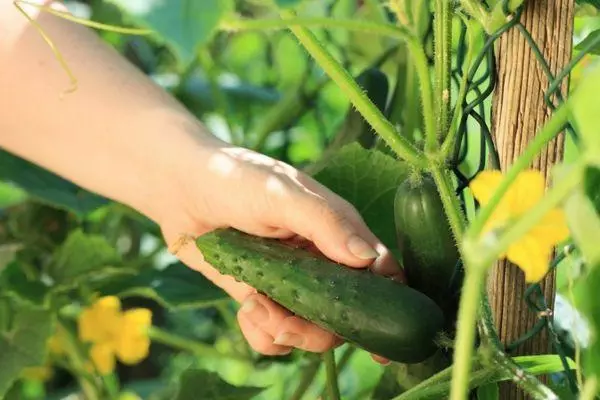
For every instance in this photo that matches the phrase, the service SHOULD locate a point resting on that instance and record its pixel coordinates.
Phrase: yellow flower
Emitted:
(531, 252)
(115, 334)
(100, 322)
(133, 344)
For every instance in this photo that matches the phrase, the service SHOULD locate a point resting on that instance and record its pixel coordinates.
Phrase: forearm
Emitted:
(115, 135)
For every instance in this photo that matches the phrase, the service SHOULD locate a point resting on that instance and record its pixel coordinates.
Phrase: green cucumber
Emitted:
(429, 252)
(373, 312)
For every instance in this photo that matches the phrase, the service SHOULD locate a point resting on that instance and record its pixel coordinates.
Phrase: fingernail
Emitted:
(361, 249)
(255, 311)
(289, 339)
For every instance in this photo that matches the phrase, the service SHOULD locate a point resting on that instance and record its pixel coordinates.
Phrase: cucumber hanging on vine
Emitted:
(373, 312)
(429, 253)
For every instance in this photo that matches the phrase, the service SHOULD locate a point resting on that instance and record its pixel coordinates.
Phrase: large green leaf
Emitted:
(46, 186)
(183, 25)
(82, 254)
(368, 179)
(200, 384)
(23, 345)
(177, 286)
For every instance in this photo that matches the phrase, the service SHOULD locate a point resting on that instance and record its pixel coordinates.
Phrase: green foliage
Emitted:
(81, 256)
(46, 186)
(23, 342)
(183, 25)
(287, 3)
(488, 392)
(592, 37)
(368, 180)
(199, 384)
(174, 287)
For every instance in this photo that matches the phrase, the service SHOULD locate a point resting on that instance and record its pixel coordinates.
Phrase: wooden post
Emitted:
(518, 113)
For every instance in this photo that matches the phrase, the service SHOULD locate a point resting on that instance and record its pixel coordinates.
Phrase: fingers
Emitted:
(313, 217)
(271, 329)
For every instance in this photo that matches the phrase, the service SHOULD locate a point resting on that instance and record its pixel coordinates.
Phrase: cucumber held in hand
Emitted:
(373, 312)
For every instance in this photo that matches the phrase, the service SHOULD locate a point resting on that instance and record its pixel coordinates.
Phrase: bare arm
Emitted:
(101, 136)
(123, 137)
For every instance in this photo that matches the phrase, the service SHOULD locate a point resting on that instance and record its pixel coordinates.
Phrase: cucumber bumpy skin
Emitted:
(373, 312)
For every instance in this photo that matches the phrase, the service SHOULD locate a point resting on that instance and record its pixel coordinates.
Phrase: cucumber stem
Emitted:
(357, 97)
(332, 382)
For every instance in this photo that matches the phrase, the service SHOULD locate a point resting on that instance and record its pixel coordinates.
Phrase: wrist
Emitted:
(174, 175)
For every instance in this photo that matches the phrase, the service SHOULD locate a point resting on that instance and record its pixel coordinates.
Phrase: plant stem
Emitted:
(477, 260)
(332, 383)
(473, 29)
(357, 97)
(77, 361)
(340, 366)
(475, 10)
(443, 37)
(160, 336)
(422, 67)
(548, 132)
(395, 31)
(450, 201)
(465, 336)
(308, 376)
(589, 389)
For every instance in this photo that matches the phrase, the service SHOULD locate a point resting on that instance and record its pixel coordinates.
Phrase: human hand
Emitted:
(239, 188)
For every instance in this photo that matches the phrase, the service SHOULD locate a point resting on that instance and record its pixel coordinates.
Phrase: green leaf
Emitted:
(488, 392)
(591, 183)
(200, 384)
(175, 287)
(11, 195)
(584, 110)
(82, 254)
(48, 187)
(584, 225)
(368, 179)
(183, 25)
(13, 280)
(595, 3)
(586, 301)
(592, 39)
(23, 345)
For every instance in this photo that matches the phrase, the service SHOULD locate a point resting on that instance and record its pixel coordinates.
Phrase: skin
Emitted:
(125, 138)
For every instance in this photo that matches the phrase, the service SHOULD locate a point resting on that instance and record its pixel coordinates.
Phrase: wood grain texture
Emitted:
(518, 113)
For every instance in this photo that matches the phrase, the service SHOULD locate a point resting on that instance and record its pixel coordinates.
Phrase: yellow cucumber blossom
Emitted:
(115, 334)
(531, 252)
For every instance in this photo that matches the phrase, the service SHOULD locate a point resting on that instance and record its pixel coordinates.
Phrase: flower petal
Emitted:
(103, 357)
(100, 321)
(532, 256)
(484, 185)
(133, 344)
(553, 228)
(527, 191)
(132, 349)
